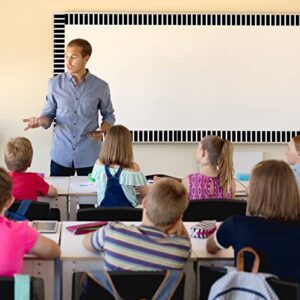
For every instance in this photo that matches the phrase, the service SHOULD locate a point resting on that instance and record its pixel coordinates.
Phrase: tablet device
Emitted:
(45, 226)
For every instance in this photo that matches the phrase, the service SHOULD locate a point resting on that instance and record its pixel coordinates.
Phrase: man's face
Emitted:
(292, 155)
(75, 63)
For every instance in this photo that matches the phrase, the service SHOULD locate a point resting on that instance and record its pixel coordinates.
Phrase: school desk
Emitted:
(81, 191)
(47, 269)
(61, 201)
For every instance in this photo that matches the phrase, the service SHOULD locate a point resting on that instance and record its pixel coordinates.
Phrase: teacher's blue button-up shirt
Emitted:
(76, 110)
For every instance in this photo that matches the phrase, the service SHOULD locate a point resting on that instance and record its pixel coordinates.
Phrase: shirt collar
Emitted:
(296, 167)
(86, 77)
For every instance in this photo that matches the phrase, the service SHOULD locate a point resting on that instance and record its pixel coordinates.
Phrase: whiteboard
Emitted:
(190, 78)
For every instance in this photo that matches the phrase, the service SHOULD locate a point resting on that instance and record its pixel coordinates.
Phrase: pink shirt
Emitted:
(28, 186)
(200, 187)
(17, 238)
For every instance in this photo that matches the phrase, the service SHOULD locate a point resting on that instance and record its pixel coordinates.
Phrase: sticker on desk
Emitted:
(83, 187)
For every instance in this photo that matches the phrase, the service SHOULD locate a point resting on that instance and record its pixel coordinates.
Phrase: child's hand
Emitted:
(176, 229)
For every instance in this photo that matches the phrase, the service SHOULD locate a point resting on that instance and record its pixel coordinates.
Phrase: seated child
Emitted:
(26, 185)
(272, 226)
(115, 172)
(293, 156)
(215, 180)
(18, 238)
(161, 234)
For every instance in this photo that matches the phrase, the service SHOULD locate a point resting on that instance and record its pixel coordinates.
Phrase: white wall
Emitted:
(26, 65)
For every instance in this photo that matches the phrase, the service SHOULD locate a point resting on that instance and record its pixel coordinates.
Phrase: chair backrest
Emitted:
(7, 285)
(283, 289)
(110, 214)
(36, 210)
(130, 285)
(214, 209)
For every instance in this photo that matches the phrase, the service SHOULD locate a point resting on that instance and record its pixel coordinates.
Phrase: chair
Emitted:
(214, 209)
(38, 211)
(110, 214)
(283, 289)
(7, 288)
(130, 285)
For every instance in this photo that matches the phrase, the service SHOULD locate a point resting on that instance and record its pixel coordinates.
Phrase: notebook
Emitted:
(86, 227)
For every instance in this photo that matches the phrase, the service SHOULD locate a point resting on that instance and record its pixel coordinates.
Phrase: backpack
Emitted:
(237, 284)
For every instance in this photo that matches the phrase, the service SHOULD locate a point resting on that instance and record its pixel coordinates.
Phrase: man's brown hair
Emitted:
(296, 140)
(117, 147)
(18, 154)
(5, 187)
(166, 202)
(86, 48)
(273, 191)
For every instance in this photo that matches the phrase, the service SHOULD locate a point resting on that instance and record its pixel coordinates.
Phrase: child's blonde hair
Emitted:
(5, 187)
(220, 154)
(296, 140)
(18, 154)
(117, 147)
(166, 202)
(273, 191)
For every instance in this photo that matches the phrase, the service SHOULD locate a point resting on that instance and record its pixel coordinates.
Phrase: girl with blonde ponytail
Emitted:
(215, 179)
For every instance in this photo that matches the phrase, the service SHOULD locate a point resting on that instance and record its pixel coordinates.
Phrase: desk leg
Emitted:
(71, 266)
(190, 281)
(80, 199)
(44, 269)
(73, 201)
(60, 202)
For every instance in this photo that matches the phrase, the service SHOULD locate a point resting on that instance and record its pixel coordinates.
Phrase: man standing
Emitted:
(74, 100)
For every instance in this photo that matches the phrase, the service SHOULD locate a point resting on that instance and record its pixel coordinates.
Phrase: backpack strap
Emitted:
(240, 260)
(21, 287)
(168, 285)
(103, 279)
(23, 207)
(19, 215)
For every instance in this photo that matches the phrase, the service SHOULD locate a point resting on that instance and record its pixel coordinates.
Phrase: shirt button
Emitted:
(77, 98)
(74, 136)
(74, 123)
(73, 148)
(75, 112)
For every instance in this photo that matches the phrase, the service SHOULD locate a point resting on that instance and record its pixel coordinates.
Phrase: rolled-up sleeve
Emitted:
(50, 104)
(106, 107)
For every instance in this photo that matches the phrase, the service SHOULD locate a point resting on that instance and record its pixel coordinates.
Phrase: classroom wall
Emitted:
(26, 65)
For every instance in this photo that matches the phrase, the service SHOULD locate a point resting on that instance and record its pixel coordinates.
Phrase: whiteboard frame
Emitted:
(175, 19)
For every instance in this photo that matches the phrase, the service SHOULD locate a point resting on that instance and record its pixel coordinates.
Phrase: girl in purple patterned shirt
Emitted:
(215, 179)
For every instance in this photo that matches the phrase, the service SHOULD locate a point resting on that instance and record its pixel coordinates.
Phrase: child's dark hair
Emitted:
(5, 187)
(220, 154)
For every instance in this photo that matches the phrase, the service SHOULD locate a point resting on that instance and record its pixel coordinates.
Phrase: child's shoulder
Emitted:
(134, 168)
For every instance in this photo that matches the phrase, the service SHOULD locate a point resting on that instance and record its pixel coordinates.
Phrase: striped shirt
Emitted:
(129, 247)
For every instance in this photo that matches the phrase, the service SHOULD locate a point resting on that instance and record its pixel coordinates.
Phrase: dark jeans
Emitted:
(58, 170)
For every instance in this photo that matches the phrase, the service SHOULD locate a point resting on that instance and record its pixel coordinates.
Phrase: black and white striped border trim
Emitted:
(177, 136)
(193, 136)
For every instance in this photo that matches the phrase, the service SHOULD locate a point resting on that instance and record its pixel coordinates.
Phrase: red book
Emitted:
(86, 228)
